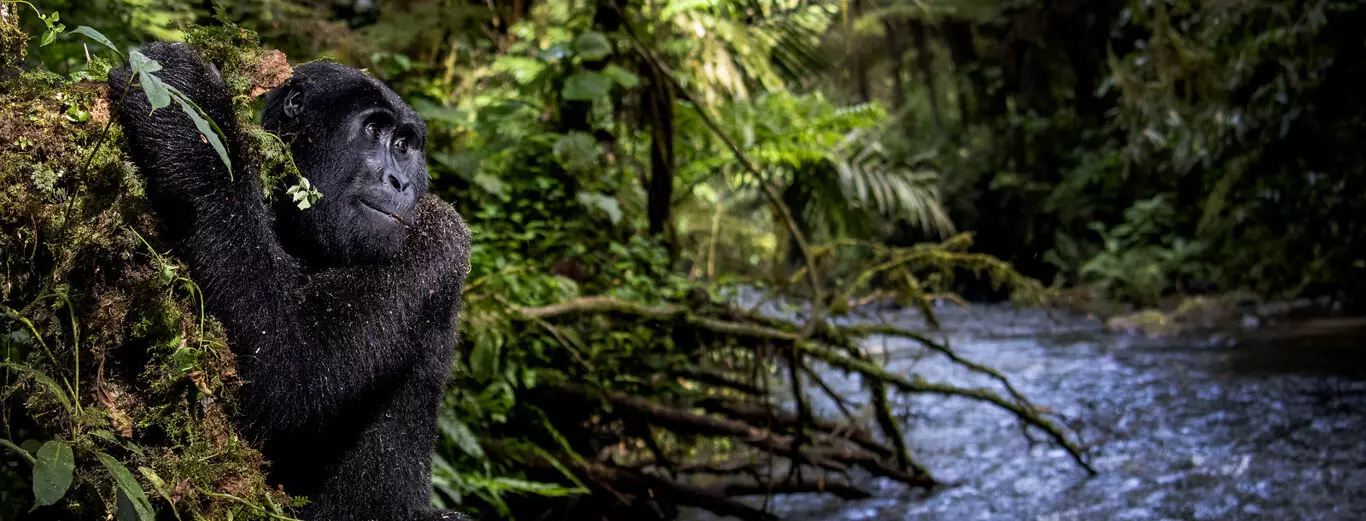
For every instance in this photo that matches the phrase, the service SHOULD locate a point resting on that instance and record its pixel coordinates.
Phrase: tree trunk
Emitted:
(896, 50)
(860, 72)
(925, 61)
(957, 36)
(660, 197)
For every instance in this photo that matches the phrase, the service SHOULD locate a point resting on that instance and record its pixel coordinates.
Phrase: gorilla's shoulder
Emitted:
(440, 234)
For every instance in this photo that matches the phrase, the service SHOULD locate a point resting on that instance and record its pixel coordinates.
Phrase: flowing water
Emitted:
(1260, 425)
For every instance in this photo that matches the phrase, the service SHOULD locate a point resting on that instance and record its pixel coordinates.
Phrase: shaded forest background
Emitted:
(626, 165)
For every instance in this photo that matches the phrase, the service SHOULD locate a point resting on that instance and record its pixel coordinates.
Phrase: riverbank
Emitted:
(1229, 313)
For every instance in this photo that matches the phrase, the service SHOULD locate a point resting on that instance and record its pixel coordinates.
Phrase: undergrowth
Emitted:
(117, 388)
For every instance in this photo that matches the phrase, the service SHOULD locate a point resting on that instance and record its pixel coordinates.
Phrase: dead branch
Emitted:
(842, 336)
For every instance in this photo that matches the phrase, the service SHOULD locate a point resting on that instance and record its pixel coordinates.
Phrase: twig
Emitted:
(18, 450)
(944, 349)
(1025, 414)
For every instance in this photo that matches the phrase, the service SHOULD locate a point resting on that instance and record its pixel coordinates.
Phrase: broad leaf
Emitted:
(158, 93)
(622, 76)
(592, 46)
(52, 472)
(586, 86)
(207, 128)
(95, 35)
(133, 505)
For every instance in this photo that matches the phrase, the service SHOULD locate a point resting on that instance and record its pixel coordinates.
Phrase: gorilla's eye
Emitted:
(401, 144)
(372, 129)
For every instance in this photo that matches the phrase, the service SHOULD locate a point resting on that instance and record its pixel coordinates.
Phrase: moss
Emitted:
(13, 42)
(91, 301)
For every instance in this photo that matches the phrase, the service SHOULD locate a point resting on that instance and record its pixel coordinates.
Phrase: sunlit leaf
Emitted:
(540, 489)
(602, 202)
(158, 94)
(433, 112)
(521, 68)
(97, 36)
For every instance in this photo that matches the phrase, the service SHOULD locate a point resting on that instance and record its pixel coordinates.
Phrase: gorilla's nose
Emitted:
(397, 182)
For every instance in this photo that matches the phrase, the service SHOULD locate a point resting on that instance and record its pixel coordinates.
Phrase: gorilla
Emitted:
(343, 317)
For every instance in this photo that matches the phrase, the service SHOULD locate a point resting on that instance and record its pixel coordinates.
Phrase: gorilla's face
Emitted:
(362, 147)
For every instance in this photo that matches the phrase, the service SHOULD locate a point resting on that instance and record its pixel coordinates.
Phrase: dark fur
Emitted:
(343, 323)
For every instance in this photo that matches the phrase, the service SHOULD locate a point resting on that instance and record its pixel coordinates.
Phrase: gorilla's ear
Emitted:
(294, 103)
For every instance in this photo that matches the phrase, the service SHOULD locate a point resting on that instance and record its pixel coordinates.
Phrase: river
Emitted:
(1264, 424)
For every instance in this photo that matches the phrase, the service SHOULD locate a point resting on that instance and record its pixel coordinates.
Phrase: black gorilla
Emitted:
(343, 317)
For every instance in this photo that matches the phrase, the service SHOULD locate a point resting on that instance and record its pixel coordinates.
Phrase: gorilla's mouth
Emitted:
(380, 211)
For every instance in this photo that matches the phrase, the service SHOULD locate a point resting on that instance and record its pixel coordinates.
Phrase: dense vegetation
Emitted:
(626, 167)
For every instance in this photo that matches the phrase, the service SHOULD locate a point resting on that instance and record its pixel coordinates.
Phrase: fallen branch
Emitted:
(754, 413)
(681, 421)
(837, 335)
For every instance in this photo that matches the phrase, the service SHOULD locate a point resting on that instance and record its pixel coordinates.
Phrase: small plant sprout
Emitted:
(52, 21)
(304, 194)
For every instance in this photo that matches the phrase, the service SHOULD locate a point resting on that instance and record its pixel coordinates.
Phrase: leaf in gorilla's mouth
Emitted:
(387, 213)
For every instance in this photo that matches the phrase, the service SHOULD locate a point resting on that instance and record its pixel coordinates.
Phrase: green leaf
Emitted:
(555, 462)
(158, 93)
(159, 485)
(128, 485)
(48, 38)
(484, 359)
(576, 150)
(433, 113)
(45, 381)
(209, 130)
(459, 433)
(522, 69)
(99, 38)
(490, 184)
(592, 46)
(139, 63)
(602, 202)
(533, 487)
(586, 86)
(52, 472)
(622, 76)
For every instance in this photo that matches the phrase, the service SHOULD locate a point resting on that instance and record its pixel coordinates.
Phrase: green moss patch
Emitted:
(105, 342)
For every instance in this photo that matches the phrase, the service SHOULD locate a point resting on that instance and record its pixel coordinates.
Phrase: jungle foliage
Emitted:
(626, 168)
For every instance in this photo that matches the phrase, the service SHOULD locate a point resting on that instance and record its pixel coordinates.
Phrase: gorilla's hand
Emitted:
(183, 164)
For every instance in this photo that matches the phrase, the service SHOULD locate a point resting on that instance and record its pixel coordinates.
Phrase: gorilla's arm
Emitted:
(286, 346)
